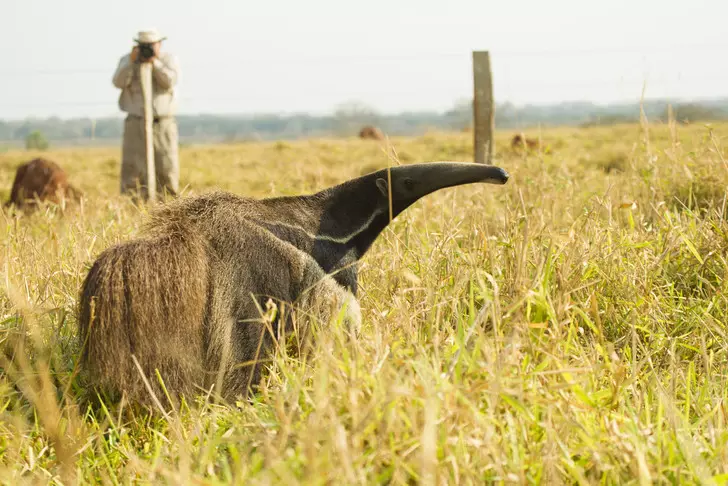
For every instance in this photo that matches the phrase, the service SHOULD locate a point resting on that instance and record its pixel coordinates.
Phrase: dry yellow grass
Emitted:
(567, 327)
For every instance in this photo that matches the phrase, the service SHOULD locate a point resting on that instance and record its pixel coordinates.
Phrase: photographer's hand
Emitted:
(135, 54)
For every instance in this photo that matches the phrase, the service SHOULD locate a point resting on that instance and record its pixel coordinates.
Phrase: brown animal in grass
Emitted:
(520, 141)
(186, 298)
(40, 180)
(370, 132)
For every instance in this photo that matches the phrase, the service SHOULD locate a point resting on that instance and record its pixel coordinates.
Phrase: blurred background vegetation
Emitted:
(349, 117)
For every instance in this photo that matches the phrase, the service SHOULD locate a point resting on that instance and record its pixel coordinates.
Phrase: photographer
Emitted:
(165, 72)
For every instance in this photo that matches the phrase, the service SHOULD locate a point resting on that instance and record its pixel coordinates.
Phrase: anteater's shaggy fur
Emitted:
(170, 301)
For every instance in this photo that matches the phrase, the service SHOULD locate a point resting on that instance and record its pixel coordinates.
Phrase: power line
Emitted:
(507, 86)
(424, 57)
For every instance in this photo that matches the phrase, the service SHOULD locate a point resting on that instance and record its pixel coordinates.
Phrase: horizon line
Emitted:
(376, 112)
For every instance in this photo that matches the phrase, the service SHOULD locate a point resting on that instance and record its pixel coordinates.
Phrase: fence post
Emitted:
(483, 109)
(145, 72)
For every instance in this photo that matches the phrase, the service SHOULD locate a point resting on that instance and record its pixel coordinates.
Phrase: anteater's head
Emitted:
(355, 212)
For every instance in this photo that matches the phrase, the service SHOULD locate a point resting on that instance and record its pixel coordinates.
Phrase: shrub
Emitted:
(36, 141)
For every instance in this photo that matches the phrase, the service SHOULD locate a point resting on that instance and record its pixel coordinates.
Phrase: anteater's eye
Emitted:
(409, 183)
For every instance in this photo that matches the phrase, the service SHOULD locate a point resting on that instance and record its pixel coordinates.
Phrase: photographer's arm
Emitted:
(165, 71)
(122, 76)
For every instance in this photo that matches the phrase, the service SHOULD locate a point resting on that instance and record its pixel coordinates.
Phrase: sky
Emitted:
(286, 56)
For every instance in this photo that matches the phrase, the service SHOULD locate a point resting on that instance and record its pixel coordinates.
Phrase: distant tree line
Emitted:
(348, 119)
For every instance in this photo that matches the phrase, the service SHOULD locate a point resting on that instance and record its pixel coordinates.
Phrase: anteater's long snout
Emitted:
(438, 175)
(497, 175)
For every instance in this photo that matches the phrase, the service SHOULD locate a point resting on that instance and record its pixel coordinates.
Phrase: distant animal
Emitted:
(40, 180)
(370, 132)
(186, 298)
(520, 141)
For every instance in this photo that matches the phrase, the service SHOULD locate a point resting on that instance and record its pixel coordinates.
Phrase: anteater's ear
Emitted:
(382, 185)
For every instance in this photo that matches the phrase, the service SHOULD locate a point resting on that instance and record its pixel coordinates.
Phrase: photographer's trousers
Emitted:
(134, 159)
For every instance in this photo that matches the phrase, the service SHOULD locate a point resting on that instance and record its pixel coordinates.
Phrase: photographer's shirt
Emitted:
(165, 72)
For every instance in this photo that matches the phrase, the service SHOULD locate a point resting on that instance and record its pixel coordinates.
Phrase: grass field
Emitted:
(568, 327)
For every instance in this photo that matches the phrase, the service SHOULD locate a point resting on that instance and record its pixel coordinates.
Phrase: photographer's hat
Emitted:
(149, 37)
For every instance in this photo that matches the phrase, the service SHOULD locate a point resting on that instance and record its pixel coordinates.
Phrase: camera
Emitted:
(146, 52)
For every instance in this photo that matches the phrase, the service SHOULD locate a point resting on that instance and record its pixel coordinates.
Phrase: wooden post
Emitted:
(145, 71)
(483, 109)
